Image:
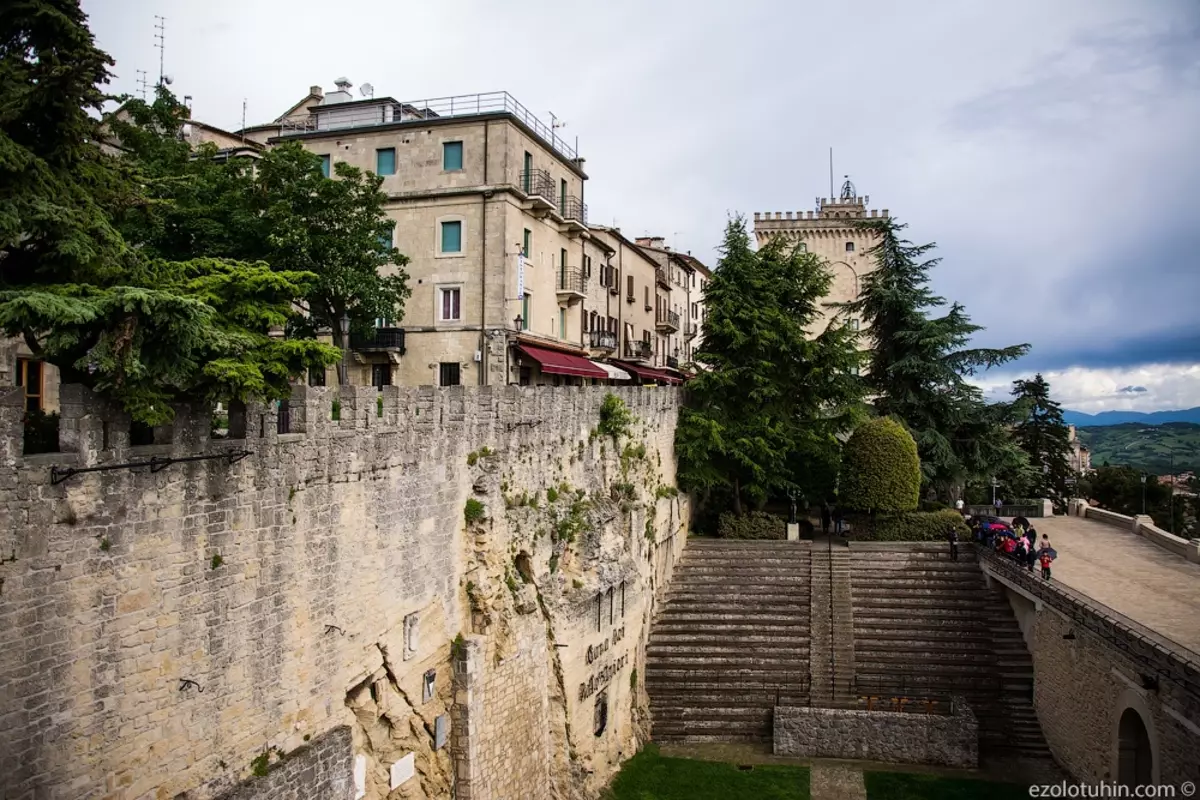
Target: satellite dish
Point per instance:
(366, 90)
(168, 80)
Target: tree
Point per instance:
(768, 392)
(881, 470)
(281, 210)
(1045, 438)
(142, 330)
(918, 365)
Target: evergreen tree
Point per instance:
(1044, 437)
(145, 331)
(769, 397)
(918, 364)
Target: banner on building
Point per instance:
(520, 276)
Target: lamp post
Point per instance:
(518, 322)
(1143, 493)
(344, 367)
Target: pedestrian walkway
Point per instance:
(836, 782)
(1129, 574)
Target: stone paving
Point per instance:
(1129, 574)
(836, 782)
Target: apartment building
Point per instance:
(681, 317)
(488, 204)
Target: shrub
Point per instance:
(881, 470)
(755, 525)
(908, 526)
(41, 432)
(379, 406)
(473, 511)
(337, 410)
(615, 417)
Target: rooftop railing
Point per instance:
(387, 112)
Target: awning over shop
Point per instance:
(614, 374)
(649, 373)
(556, 363)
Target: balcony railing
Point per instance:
(538, 183)
(672, 362)
(690, 329)
(387, 112)
(638, 349)
(602, 340)
(379, 339)
(667, 320)
(660, 277)
(571, 280)
(573, 209)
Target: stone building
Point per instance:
(1080, 457)
(687, 278)
(831, 233)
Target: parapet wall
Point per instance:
(1142, 525)
(950, 740)
(181, 629)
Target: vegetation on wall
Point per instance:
(881, 470)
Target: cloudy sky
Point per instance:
(1050, 148)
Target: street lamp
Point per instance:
(518, 322)
(344, 370)
(1143, 493)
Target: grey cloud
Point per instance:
(1132, 389)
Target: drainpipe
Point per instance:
(483, 353)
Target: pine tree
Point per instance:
(1043, 435)
(145, 331)
(918, 365)
(769, 397)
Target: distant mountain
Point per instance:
(1081, 420)
(1158, 449)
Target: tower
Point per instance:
(831, 233)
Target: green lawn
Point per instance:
(649, 776)
(909, 786)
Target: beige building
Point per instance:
(1080, 457)
(682, 315)
(831, 233)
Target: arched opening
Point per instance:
(1135, 760)
(524, 567)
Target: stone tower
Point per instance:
(830, 233)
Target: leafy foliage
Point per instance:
(474, 511)
(143, 329)
(918, 365)
(908, 526)
(770, 399)
(41, 432)
(1044, 437)
(616, 419)
(752, 525)
(1120, 489)
(881, 470)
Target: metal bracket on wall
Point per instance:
(155, 463)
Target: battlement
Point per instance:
(828, 210)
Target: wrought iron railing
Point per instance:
(387, 112)
(636, 348)
(672, 362)
(538, 182)
(690, 329)
(379, 339)
(660, 277)
(603, 340)
(668, 319)
(572, 279)
(571, 207)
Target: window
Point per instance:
(587, 266)
(527, 243)
(562, 323)
(695, 310)
(325, 165)
(381, 375)
(449, 305)
(452, 236)
(525, 311)
(448, 374)
(452, 153)
(316, 376)
(612, 325)
(385, 161)
(526, 376)
(647, 288)
(527, 174)
(629, 285)
(600, 716)
(854, 323)
(388, 240)
(29, 376)
(849, 247)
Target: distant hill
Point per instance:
(1080, 419)
(1157, 449)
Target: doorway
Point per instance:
(1135, 761)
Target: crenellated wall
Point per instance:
(180, 628)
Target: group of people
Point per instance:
(1018, 541)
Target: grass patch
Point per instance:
(912, 786)
(650, 776)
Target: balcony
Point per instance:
(538, 184)
(672, 362)
(574, 213)
(638, 349)
(602, 340)
(660, 277)
(690, 329)
(572, 284)
(667, 321)
(391, 339)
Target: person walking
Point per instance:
(825, 517)
(838, 520)
(1031, 549)
(1046, 559)
(952, 535)
(998, 504)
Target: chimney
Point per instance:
(651, 241)
(316, 91)
(343, 84)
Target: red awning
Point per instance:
(557, 363)
(648, 373)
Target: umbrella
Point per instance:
(1024, 523)
(1050, 551)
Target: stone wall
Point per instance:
(1141, 525)
(322, 768)
(891, 736)
(1091, 665)
(168, 631)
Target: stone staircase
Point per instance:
(731, 641)
(832, 620)
(928, 626)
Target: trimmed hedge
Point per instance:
(881, 470)
(755, 525)
(908, 526)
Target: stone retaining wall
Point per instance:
(891, 736)
(1142, 525)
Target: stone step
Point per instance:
(668, 698)
(920, 644)
(709, 738)
(693, 727)
(681, 596)
(670, 614)
(750, 661)
(717, 640)
(733, 628)
(707, 579)
(719, 679)
(788, 649)
(885, 633)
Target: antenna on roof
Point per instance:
(366, 90)
(555, 124)
(142, 82)
(160, 41)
